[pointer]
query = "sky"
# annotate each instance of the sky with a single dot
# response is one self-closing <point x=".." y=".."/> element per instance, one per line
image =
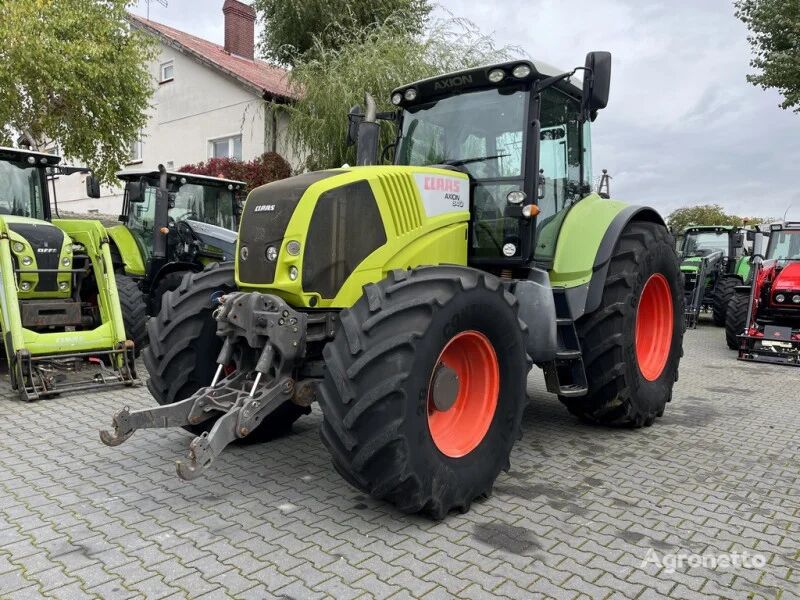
<point x="683" y="126"/>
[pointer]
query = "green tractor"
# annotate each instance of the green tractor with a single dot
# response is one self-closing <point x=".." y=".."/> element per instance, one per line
<point x="172" y="224"/>
<point x="60" y="306"/>
<point x="412" y="300"/>
<point x="715" y="261"/>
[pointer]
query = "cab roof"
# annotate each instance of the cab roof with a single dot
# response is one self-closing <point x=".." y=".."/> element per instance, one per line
<point x="136" y="174"/>
<point x="478" y="77"/>
<point x="22" y="155"/>
<point x="718" y="228"/>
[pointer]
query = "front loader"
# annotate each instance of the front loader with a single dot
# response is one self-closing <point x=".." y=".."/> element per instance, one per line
<point x="60" y="317"/>
<point x="763" y="321"/>
<point x="411" y="300"/>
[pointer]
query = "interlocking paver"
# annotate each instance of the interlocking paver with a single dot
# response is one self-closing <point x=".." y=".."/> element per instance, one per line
<point x="574" y="518"/>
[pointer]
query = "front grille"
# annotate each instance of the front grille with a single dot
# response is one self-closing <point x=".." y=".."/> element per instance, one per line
<point x="264" y="220"/>
<point x="46" y="241"/>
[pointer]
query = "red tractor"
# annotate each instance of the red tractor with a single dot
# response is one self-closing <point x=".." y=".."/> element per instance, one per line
<point x="763" y="320"/>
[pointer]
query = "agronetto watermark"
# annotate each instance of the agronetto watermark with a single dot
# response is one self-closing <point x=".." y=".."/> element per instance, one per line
<point x="681" y="561"/>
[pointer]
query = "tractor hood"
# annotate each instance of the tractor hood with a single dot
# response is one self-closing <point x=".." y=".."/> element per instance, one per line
<point x="44" y="247"/>
<point x="788" y="278"/>
<point x="214" y="237"/>
<point x="691" y="265"/>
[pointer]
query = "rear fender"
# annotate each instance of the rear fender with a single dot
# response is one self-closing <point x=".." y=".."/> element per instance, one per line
<point x="586" y="245"/>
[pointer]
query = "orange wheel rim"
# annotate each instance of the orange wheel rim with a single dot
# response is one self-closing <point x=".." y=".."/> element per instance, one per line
<point x="460" y="416"/>
<point x="655" y="320"/>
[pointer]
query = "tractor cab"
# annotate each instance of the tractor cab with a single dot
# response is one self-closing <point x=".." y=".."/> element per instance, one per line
<point x="523" y="179"/>
<point x="715" y="259"/>
<point x="200" y="208"/>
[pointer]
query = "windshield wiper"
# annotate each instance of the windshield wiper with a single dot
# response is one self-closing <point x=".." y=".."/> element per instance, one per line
<point x="457" y="162"/>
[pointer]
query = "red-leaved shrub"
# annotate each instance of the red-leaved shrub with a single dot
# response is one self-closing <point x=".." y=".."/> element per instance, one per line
<point x="270" y="166"/>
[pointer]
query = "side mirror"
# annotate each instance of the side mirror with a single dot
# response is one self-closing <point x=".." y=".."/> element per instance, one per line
<point x="92" y="186"/>
<point x="751" y="235"/>
<point x="738" y="240"/>
<point x="596" y="82"/>
<point x="135" y="191"/>
<point x="354" y="118"/>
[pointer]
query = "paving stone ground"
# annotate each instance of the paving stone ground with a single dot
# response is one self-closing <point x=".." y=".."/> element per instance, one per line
<point x="576" y="516"/>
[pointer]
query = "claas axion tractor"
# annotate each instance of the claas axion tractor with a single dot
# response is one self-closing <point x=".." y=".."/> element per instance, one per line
<point x="763" y="321"/>
<point x="714" y="263"/>
<point x="62" y="324"/>
<point x="411" y="300"/>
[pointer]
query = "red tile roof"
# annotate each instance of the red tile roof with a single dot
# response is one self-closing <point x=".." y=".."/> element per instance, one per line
<point x="268" y="79"/>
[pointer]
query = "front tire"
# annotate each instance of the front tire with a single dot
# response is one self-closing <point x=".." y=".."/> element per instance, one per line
<point x="425" y="388"/>
<point x="736" y="319"/>
<point x="183" y="350"/>
<point x="722" y="297"/>
<point x="134" y="311"/>
<point x="632" y="343"/>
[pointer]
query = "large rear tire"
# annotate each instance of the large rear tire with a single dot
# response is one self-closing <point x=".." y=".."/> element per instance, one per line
<point x="425" y="388"/>
<point x="632" y="343"/>
<point x="184" y="346"/>
<point x="134" y="311"/>
<point x="722" y="297"/>
<point x="736" y="319"/>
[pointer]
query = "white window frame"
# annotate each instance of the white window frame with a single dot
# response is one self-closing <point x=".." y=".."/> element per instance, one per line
<point x="230" y="139"/>
<point x="135" y="158"/>
<point x="164" y="66"/>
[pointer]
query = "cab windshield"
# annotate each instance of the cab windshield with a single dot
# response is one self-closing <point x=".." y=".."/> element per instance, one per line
<point x="192" y="202"/>
<point x="701" y="243"/>
<point x="784" y="245"/>
<point x="482" y="134"/>
<point x="21" y="192"/>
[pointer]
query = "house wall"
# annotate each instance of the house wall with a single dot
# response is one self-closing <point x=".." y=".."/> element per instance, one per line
<point x="198" y="105"/>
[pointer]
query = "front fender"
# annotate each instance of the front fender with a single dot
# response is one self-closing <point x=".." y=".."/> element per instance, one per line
<point x="128" y="249"/>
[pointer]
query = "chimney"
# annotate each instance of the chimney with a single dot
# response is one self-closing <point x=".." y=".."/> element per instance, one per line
<point x="240" y="21"/>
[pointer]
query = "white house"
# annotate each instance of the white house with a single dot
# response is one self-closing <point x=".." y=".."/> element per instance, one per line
<point x="209" y="101"/>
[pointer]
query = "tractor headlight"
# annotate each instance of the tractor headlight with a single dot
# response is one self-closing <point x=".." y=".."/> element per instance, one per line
<point x="293" y="273"/>
<point x="63" y="286"/>
<point x="19" y="247"/>
<point x="496" y="75"/>
<point x="244" y="253"/>
<point x="521" y="71"/>
<point x="516" y="197"/>
<point x="397" y="98"/>
<point x="796" y="298"/>
<point x="780" y="298"/>
<point x="293" y="247"/>
<point x="272" y="253"/>
<point x="27" y="261"/>
<point x="25" y="286"/>
<point x="66" y="261"/>
<point x="410" y="95"/>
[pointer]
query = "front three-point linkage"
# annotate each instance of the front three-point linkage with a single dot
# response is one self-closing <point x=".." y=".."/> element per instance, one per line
<point x="263" y="339"/>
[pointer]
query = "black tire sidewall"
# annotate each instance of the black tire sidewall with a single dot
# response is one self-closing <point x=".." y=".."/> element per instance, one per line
<point x="658" y="258"/>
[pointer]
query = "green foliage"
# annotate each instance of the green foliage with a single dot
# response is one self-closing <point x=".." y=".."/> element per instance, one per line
<point x="374" y="61"/>
<point x="73" y="72"/>
<point x="293" y="27"/>
<point x="775" y="40"/>
<point x="707" y="214"/>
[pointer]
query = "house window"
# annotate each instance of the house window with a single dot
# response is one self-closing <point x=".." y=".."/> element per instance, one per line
<point x="227" y="147"/>
<point x="135" y="150"/>
<point x="167" y="71"/>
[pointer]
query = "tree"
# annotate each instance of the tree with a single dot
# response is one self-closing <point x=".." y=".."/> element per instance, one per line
<point x="270" y="166"/>
<point x="73" y="73"/>
<point x="374" y="60"/>
<point x="775" y="40"/>
<point x="294" y="27"/>
<point x="707" y="214"/>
